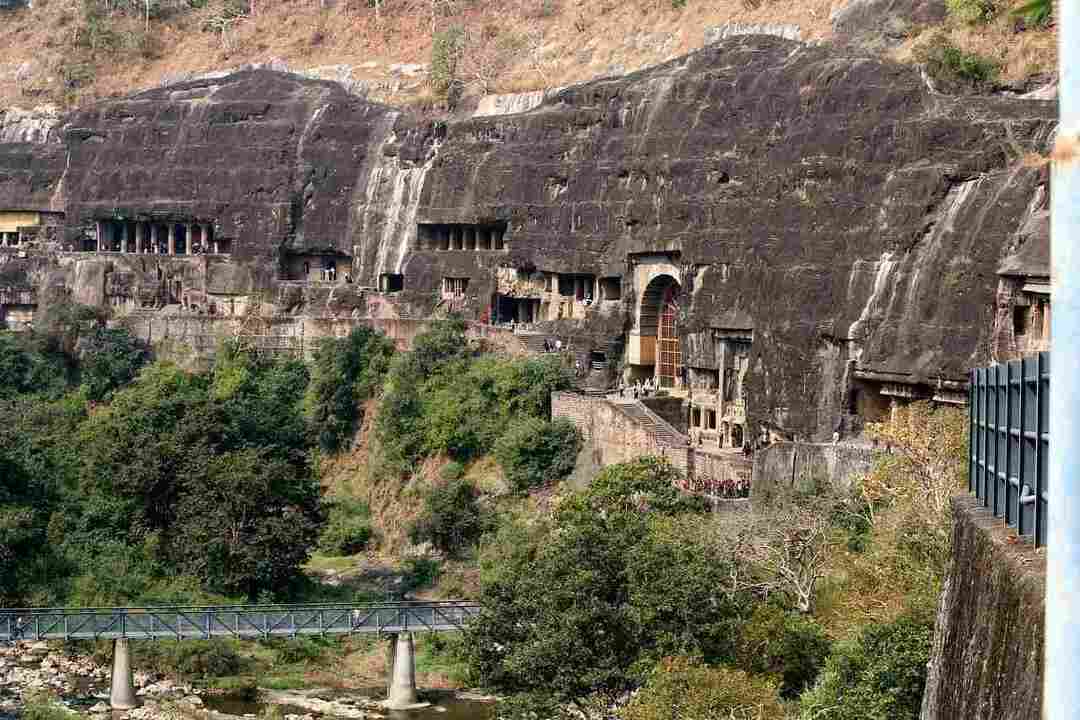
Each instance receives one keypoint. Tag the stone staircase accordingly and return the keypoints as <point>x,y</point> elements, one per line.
<point>659,429</point>
<point>533,341</point>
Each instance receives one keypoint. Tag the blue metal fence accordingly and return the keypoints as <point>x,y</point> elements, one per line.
<point>1009,415</point>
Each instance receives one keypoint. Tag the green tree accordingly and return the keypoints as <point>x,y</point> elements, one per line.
<point>109,359</point>
<point>451,518</point>
<point>447,49</point>
<point>346,371</point>
<point>786,646</point>
<point>245,523</point>
<point>29,367</point>
<point>592,600</point>
<point>880,674</point>
<point>534,451</point>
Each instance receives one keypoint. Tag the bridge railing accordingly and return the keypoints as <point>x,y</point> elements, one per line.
<point>1008,414</point>
<point>241,621</point>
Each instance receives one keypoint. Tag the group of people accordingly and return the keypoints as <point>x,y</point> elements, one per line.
<point>552,345</point>
<point>638,389</point>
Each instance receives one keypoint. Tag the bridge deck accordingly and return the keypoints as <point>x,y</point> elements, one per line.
<point>242,621</point>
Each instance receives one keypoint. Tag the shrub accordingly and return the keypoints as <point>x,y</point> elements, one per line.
<point>972,11</point>
<point>453,470</point>
<point>451,518</point>
<point>447,47</point>
<point>189,659</point>
<point>43,706</point>
<point>953,69</point>
<point>880,674</point>
<point>420,572</point>
<point>302,650</point>
<point>348,528</point>
<point>682,687</point>
<point>534,452</point>
<point>785,646</point>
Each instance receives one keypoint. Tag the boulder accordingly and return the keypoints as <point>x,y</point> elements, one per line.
<point>877,21</point>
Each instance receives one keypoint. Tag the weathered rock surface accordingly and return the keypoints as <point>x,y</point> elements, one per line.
<point>890,20</point>
<point>37,125</point>
<point>827,201</point>
<point>821,200</point>
<point>986,662</point>
<point>728,30</point>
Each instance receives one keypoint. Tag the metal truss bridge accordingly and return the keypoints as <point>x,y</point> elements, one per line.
<point>239,621</point>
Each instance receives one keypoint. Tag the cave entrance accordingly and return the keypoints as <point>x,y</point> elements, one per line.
<point>660,322</point>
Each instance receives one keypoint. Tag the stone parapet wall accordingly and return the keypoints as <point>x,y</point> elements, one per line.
<point>615,437</point>
<point>986,662</point>
<point>785,469</point>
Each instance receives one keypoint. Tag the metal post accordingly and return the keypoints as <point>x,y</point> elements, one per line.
<point>1061,692</point>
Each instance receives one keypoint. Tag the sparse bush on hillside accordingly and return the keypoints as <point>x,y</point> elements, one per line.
<point>447,48</point>
<point>880,674</point>
<point>972,11</point>
<point>534,452</point>
<point>680,688</point>
<point>954,70</point>
<point>451,519</point>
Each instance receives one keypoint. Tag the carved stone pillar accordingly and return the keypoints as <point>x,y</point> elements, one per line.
<point>99,228</point>
<point>172,238</point>
<point>123,237</point>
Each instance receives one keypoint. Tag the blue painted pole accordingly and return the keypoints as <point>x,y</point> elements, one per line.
<point>1061,691</point>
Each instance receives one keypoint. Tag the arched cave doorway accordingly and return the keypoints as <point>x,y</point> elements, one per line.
<point>660,320</point>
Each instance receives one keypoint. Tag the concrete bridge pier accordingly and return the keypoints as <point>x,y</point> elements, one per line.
<point>401,693</point>
<point>122,696</point>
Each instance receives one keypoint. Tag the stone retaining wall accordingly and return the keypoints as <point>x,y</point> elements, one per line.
<point>986,662</point>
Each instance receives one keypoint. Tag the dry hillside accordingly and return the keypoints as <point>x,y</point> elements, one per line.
<point>73,51</point>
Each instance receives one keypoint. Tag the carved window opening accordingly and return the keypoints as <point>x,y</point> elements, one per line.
<point>391,282</point>
<point>1021,319</point>
<point>611,288</point>
<point>443,237</point>
<point>455,287</point>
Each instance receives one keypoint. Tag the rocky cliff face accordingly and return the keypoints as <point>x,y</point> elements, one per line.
<point>826,204</point>
<point>986,663</point>
<point>830,202</point>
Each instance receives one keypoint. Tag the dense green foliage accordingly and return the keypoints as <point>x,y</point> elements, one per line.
<point>346,372</point>
<point>789,647</point>
<point>451,518</point>
<point>534,451</point>
<point>167,486</point>
<point>446,398</point>
<point>605,591</point>
<point>109,359</point>
<point>879,675</point>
